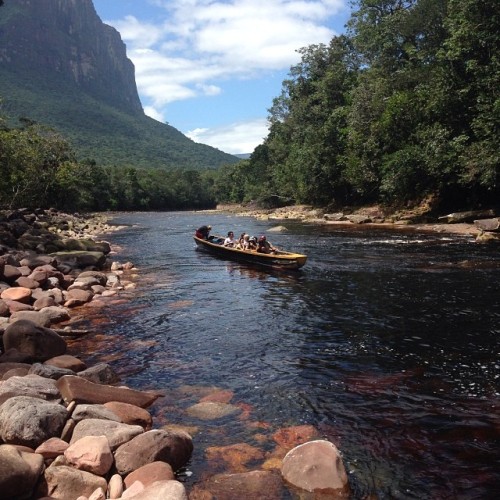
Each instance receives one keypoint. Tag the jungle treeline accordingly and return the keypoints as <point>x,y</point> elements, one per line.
<point>39,169</point>
<point>402,107</point>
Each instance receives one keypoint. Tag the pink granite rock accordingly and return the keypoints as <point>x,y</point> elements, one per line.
<point>116,433</point>
<point>65,482</point>
<point>131,414</point>
<point>149,473</point>
<point>161,490</point>
<point>18,294</point>
<point>173,447</point>
<point>74,388</point>
<point>316,466</point>
<point>52,448</point>
<point>91,454</point>
<point>68,362</point>
<point>19,472</point>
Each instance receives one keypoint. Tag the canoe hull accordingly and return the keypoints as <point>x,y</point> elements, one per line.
<point>284,260</point>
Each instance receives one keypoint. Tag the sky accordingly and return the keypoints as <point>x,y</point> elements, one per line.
<point>211,68</point>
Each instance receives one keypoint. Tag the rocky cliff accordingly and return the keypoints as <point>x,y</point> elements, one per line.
<point>61,66</point>
<point>68,38</point>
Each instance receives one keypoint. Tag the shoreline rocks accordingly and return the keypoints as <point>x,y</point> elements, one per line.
<point>462,223</point>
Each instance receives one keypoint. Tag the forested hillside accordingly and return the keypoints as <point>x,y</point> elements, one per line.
<point>403,107</point>
<point>61,66</point>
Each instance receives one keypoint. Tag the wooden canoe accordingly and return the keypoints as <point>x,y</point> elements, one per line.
<point>278,260</point>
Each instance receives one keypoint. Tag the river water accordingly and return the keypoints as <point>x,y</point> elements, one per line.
<point>387,342</point>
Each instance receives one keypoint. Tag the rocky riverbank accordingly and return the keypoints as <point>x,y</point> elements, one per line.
<point>419,218</point>
<point>69,430</point>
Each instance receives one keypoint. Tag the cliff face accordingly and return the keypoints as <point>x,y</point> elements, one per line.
<point>67,38</point>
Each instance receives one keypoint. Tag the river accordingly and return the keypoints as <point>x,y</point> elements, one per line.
<point>386,342</point>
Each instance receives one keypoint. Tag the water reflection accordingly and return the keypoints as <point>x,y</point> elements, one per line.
<point>386,342</point>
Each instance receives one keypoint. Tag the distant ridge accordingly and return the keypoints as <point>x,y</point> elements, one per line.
<point>60,65</point>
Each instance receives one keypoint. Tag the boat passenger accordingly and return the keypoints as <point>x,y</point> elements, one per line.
<point>239,245</point>
<point>229,241</point>
<point>252,243</point>
<point>246,242</point>
<point>203,232</point>
<point>264,246</point>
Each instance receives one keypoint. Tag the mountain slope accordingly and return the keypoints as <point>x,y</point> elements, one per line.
<point>61,66</point>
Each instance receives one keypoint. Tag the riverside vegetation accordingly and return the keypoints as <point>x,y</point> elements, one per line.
<point>400,109</point>
<point>68,430</point>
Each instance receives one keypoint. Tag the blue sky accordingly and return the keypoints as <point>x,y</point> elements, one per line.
<point>211,68</point>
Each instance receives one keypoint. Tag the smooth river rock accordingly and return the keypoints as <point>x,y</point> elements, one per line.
<point>37,342</point>
<point>210,410</point>
<point>30,421</point>
<point>172,447</point>
<point>316,466</point>
<point>116,432</point>
<point>74,388</point>
<point>19,472</point>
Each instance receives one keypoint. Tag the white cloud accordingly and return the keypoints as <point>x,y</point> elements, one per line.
<point>236,138</point>
<point>201,41</point>
<point>153,113</point>
<point>199,46</point>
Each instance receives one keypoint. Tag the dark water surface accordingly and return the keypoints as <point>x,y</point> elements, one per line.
<point>386,342</point>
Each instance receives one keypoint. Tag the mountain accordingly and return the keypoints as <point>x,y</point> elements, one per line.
<point>60,65</point>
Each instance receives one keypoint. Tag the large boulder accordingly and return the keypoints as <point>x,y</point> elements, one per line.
<point>316,466</point>
<point>91,454</point>
<point>33,386</point>
<point>80,259</point>
<point>19,472</point>
<point>101,373</point>
<point>17,294</point>
<point>36,342</point>
<point>161,490</point>
<point>149,473</point>
<point>116,433</point>
<point>173,447</point>
<point>131,414</point>
<point>74,388</point>
<point>69,483</point>
<point>68,362</point>
<point>29,315</point>
<point>86,411</point>
<point>48,371</point>
<point>30,421</point>
<point>52,448</point>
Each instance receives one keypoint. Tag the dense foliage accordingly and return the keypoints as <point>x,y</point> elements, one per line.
<point>404,106</point>
<point>98,130</point>
<point>39,169</point>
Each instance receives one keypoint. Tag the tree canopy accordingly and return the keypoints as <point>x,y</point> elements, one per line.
<point>404,106</point>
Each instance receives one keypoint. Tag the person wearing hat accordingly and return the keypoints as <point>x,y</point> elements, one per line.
<point>252,243</point>
<point>203,232</point>
<point>264,246</point>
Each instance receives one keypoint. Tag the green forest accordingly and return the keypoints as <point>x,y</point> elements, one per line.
<point>404,106</point>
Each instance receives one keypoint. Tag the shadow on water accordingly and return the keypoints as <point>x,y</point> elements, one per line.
<point>386,342</point>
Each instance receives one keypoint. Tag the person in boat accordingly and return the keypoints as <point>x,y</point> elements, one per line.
<point>245,245</point>
<point>203,232</point>
<point>240,241</point>
<point>229,241</point>
<point>264,246</point>
<point>252,243</point>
